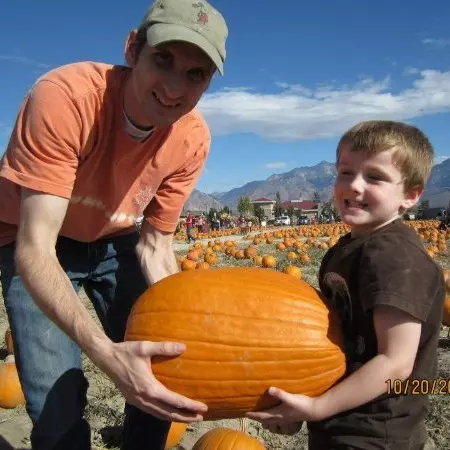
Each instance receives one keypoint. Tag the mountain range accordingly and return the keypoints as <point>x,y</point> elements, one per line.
<point>298,184</point>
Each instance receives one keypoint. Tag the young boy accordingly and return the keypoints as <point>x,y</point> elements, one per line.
<point>389,294</point>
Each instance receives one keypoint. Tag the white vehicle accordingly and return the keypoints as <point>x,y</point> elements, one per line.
<point>283,220</point>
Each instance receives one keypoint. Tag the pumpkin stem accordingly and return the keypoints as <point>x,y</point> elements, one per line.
<point>243,422</point>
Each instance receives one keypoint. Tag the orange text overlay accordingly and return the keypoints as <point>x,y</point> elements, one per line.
<point>418,387</point>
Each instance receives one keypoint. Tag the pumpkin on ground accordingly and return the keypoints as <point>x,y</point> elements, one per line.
<point>9,341</point>
<point>11,394</point>
<point>246,329</point>
<point>446,316</point>
<point>227,439</point>
<point>176,431</point>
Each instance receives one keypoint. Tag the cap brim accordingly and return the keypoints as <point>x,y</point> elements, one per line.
<point>159,33</point>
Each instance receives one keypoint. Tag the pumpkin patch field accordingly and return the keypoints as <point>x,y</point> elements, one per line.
<point>267,262</point>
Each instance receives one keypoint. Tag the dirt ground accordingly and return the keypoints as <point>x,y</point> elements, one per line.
<point>105,404</point>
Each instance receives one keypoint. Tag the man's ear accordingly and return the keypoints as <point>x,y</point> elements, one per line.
<point>130,48</point>
<point>412,196</point>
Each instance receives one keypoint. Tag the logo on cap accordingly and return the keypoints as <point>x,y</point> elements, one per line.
<point>202,17</point>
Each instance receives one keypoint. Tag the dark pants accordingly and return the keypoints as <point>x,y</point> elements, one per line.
<point>49,362</point>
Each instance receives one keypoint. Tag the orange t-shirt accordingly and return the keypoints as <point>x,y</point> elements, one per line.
<point>70,140</point>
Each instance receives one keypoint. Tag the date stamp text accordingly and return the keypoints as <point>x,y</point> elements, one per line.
<point>418,387</point>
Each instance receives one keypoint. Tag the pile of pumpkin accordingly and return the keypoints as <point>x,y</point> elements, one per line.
<point>200,257</point>
<point>11,394</point>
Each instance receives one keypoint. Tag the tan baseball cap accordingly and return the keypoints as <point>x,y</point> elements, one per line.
<point>193,21</point>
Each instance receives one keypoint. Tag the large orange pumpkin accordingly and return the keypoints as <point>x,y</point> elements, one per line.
<point>11,394</point>
<point>446,316</point>
<point>176,431</point>
<point>246,329</point>
<point>227,439</point>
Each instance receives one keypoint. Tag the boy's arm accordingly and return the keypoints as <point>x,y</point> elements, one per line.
<point>398,336</point>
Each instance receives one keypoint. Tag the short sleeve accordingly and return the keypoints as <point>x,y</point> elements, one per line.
<point>166,206</point>
<point>395,272</point>
<point>43,150</point>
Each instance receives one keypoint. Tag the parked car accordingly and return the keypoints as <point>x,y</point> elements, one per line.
<point>283,220</point>
<point>303,220</point>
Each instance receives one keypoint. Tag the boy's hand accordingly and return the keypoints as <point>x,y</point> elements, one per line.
<point>291,410</point>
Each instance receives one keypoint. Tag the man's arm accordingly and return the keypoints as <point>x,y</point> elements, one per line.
<point>155,253</point>
<point>41,217</point>
<point>126,363</point>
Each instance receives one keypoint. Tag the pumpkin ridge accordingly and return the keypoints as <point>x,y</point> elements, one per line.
<point>332,347</point>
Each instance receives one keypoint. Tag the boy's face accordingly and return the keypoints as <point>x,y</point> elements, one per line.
<point>369,190</point>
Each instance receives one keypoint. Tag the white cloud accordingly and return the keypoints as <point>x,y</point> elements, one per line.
<point>440,159</point>
<point>441,43</point>
<point>24,60</point>
<point>276,165</point>
<point>328,111</point>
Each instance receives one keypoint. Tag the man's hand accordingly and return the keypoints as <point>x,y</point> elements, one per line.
<point>129,367</point>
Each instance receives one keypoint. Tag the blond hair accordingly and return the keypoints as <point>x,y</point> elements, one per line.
<point>413,152</point>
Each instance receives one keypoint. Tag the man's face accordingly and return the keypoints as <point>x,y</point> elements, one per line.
<point>167,82</point>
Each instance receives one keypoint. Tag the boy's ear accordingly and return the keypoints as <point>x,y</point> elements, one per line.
<point>130,48</point>
<point>412,196</point>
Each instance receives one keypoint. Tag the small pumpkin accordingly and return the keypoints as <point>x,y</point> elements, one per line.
<point>293,270</point>
<point>176,432</point>
<point>446,273</point>
<point>446,316</point>
<point>11,394</point>
<point>246,329</point>
<point>9,341</point>
<point>227,439</point>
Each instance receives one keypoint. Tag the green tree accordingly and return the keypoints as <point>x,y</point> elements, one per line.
<point>277,208</point>
<point>225,210</point>
<point>316,197</point>
<point>291,214</point>
<point>259,213</point>
<point>329,209</point>
<point>424,205</point>
<point>211,213</point>
<point>245,206</point>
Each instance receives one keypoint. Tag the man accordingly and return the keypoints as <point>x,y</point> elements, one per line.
<point>95,147</point>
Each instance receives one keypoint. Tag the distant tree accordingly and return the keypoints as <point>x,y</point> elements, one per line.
<point>225,210</point>
<point>329,209</point>
<point>277,208</point>
<point>316,197</point>
<point>245,206</point>
<point>424,205</point>
<point>259,213</point>
<point>211,213</point>
<point>291,213</point>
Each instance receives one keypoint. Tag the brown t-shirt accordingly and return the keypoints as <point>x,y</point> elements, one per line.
<point>70,140</point>
<point>387,267</point>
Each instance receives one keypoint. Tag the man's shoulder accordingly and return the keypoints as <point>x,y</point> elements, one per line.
<point>80,79</point>
<point>193,120</point>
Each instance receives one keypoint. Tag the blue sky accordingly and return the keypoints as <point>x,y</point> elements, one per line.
<point>298,73</point>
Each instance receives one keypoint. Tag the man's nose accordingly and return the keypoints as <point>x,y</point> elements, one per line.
<point>174,85</point>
